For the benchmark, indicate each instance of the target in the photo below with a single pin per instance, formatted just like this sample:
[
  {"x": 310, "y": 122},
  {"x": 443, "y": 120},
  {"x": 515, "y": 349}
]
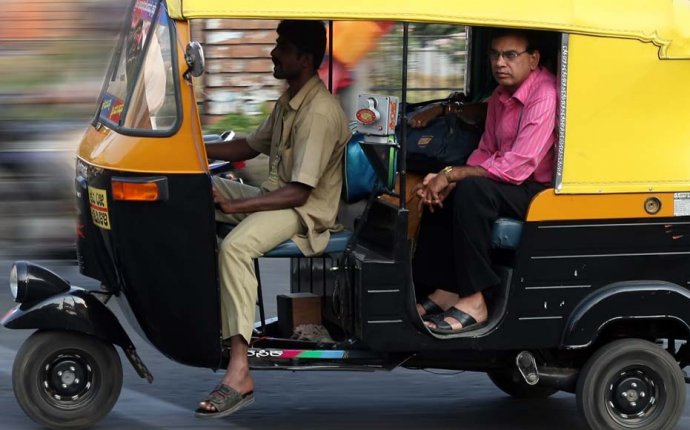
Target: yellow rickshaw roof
[{"x": 666, "y": 23}]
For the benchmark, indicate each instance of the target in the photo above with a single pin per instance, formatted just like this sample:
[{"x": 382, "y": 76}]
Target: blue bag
[{"x": 359, "y": 178}]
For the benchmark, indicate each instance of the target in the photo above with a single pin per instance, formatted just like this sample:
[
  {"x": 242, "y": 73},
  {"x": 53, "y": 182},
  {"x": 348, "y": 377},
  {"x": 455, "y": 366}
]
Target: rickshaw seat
[
  {"x": 506, "y": 233},
  {"x": 336, "y": 244},
  {"x": 287, "y": 249}
]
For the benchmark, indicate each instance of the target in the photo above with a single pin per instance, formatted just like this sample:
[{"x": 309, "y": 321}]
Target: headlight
[
  {"x": 31, "y": 283},
  {"x": 13, "y": 282}
]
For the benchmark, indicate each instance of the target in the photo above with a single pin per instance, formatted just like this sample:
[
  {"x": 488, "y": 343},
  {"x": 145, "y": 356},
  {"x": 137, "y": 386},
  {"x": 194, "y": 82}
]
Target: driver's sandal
[{"x": 226, "y": 401}]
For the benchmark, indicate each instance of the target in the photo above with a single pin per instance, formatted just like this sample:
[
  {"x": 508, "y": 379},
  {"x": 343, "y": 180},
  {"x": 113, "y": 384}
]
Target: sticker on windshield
[
  {"x": 681, "y": 204},
  {"x": 111, "y": 108},
  {"x": 98, "y": 201}
]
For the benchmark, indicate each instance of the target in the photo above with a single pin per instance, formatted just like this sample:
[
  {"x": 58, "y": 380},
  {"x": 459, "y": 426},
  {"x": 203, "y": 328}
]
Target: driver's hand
[
  {"x": 217, "y": 196},
  {"x": 221, "y": 202}
]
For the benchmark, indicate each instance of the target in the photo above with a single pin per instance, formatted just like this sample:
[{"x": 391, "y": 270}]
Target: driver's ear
[{"x": 306, "y": 60}]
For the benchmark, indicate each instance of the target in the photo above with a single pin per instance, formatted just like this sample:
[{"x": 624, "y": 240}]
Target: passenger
[
  {"x": 305, "y": 136},
  {"x": 513, "y": 162}
]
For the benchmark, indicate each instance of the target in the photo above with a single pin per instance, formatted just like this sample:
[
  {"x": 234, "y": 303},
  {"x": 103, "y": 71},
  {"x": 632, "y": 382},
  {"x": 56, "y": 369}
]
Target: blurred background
[{"x": 54, "y": 54}]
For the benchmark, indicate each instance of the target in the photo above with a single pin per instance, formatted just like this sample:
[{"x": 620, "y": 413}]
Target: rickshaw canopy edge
[{"x": 665, "y": 23}]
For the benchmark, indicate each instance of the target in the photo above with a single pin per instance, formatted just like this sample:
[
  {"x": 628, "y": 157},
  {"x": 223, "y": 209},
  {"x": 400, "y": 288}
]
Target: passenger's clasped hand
[{"x": 433, "y": 190}]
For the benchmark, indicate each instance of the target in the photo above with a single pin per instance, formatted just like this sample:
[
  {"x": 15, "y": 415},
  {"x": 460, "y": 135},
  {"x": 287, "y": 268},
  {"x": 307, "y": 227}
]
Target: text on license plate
[{"x": 98, "y": 202}]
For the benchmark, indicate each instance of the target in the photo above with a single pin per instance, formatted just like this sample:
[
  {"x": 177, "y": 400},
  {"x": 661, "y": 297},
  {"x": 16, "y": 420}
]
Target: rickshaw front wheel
[
  {"x": 515, "y": 386},
  {"x": 66, "y": 380},
  {"x": 631, "y": 384}
]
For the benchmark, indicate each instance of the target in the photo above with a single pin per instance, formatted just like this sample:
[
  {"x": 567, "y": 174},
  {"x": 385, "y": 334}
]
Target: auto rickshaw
[{"x": 595, "y": 297}]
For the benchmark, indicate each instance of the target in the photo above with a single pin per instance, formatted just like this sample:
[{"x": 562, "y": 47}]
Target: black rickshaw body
[
  {"x": 601, "y": 259},
  {"x": 159, "y": 255}
]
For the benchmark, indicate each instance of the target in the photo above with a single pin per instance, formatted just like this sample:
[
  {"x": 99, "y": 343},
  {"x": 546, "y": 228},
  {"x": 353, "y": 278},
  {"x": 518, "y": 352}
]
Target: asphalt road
[{"x": 401, "y": 399}]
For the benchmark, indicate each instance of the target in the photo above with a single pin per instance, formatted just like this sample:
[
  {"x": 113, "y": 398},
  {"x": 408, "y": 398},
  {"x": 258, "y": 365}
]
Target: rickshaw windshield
[{"x": 139, "y": 96}]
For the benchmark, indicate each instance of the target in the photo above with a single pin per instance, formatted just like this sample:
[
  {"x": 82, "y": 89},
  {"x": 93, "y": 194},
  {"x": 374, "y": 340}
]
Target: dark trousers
[{"x": 454, "y": 244}]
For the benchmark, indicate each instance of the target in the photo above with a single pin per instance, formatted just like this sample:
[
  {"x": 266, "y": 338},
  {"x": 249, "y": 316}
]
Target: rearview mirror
[{"x": 194, "y": 56}]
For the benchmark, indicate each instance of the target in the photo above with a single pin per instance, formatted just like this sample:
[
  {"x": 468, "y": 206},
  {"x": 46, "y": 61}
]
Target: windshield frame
[{"x": 98, "y": 120}]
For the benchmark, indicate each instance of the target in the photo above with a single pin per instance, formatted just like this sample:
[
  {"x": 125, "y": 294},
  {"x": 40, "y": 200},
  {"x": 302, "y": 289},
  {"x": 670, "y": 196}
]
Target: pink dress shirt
[{"x": 517, "y": 144}]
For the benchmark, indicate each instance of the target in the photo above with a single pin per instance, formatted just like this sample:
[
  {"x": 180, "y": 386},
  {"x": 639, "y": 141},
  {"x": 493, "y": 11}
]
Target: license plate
[{"x": 98, "y": 202}]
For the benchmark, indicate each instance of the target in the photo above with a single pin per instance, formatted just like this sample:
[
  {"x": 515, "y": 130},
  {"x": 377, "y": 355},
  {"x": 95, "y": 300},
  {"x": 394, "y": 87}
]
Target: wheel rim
[
  {"x": 635, "y": 396},
  {"x": 67, "y": 380}
]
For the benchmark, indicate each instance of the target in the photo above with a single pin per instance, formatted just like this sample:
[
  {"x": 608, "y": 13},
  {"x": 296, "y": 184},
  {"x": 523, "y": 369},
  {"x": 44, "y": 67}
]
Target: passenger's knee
[{"x": 471, "y": 187}]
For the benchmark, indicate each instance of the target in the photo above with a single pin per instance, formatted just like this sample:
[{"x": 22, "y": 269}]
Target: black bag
[{"x": 445, "y": 141}]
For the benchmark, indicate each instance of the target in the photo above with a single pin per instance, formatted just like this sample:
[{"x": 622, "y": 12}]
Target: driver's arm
[
  {"x": 292, "y": 195},
  {"x": 235, "y": 150}
]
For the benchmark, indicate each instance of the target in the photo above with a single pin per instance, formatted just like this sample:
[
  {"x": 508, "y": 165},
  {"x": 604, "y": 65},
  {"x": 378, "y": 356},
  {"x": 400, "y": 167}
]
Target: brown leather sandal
[{"x": 226, "y": 401}]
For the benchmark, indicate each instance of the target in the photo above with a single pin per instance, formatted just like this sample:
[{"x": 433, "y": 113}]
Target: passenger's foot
[
  {"x": 468, "y": 313},
  {"x": 437, "y": 302}
]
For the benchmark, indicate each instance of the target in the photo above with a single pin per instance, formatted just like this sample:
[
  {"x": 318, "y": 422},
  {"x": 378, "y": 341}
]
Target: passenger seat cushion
[{"x": 507, "y": 233}]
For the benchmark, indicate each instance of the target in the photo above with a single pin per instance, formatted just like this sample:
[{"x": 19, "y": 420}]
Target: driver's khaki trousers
[{"x": 255, "y": 234}]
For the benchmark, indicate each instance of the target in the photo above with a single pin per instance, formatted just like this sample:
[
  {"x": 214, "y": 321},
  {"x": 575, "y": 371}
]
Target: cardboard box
[{"x": 298, "y": 308}]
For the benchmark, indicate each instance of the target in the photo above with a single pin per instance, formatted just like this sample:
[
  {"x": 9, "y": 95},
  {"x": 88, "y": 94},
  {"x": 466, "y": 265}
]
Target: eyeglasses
[{"x": 508, "y": 55}]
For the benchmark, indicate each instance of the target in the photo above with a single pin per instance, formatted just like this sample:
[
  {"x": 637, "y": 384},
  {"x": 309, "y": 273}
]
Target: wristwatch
[{"x": 446, "y": 172}]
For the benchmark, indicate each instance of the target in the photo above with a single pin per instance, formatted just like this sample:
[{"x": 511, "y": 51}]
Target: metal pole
[
  {"x": 402, "y": 160},
  {"x": 330, "y": 56}
]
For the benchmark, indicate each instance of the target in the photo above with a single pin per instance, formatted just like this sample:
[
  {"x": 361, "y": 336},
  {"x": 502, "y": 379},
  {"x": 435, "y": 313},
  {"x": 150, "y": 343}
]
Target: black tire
[
  {"x": 515, "y": 386},
  {"x": 66, "y": 380},
  {"x": 631, "y": 384}
]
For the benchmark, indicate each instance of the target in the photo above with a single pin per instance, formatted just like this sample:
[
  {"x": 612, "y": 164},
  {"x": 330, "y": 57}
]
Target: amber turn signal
[{"x": 139, "y": 190}]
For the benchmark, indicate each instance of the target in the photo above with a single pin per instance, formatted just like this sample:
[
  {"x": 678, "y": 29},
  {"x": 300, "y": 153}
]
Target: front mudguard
[
  {"x": 631, "y": 300},
  {"x": 76, "y": 310}
]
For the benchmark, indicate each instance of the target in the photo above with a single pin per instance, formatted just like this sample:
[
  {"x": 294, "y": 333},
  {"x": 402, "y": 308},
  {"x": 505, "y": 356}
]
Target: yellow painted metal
[
  {"x": 182, "y": 153},
  {"x": 666, "y": 23},
  {"x": 549, "y": 206},
  {"x": 627, "y": 119}
]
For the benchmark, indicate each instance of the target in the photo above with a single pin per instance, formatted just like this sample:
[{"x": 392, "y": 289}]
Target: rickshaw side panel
[
  {"x": 560, "y": 267},
  {"x": 647, "y": 302},
  {"x": 626, "y": 123},
  {"x": 164, "y": 256},
  {"x": 160, "y": 255},
  {"x": 563, "y": 264}
]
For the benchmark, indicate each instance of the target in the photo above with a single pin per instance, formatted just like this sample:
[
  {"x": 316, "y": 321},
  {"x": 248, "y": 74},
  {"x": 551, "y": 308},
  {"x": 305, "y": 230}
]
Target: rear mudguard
[
  {"x": 633, "y": 300},
  {"x": 76, "y": 310}
]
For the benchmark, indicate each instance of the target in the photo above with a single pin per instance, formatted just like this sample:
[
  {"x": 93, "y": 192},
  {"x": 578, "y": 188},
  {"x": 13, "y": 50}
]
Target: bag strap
[{"x": 425, "y": 102}]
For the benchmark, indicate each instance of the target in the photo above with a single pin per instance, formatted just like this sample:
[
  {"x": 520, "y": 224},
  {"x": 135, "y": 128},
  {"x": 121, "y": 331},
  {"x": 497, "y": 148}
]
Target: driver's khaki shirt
[{"x": 305, "y": 138}]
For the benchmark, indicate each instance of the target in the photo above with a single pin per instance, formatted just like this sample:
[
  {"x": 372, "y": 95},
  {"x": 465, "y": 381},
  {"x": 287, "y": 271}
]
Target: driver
[{"x": 305, "y": 137}]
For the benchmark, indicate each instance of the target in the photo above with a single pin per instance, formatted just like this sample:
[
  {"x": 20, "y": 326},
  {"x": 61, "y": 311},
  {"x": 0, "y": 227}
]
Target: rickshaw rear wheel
[
  {"x": 515, "y": 386},
  {"x": 631, "y": 384},
  {"x": 66, "y": 379}
]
